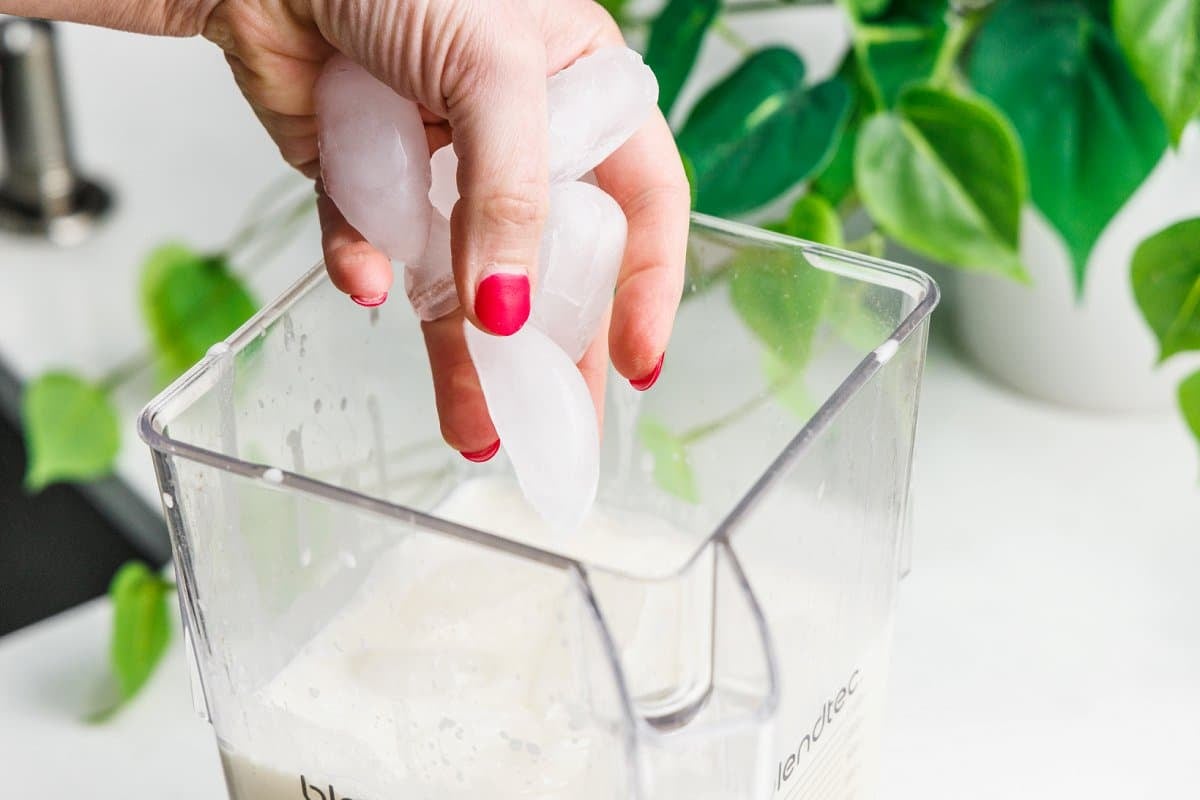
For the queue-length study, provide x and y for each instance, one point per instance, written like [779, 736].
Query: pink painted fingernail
[479, 456]
[644, 383]
[502, 302]
[369, 302]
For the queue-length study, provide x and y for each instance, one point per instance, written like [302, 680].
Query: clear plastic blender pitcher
[368, 615]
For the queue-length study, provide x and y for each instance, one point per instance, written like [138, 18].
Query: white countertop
[1048, 638]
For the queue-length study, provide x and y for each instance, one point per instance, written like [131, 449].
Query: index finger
[645, 176]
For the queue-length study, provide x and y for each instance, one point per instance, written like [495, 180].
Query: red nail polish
[479, 456]
[502, 302]
[644, 383]
[369, 302]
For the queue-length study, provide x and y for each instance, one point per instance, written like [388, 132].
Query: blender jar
[367, 615]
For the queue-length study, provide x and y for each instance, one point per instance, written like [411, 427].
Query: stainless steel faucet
[42, 192]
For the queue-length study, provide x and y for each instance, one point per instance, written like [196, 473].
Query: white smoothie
[459, 672]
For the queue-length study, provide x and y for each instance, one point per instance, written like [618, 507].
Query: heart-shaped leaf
[675, 37]
[1189, 402]
[190, 301]
[71, 430]
[1162, 40]
[1166, 283]
[900, 47]
[781, 298]
[760, 130]
[1089, 131]
[141, 625]
[814, 219]
[943, 175]
[672, 472]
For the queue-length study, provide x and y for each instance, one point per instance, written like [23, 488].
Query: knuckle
[522, 208]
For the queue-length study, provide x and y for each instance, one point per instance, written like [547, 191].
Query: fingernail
[369, 302]
[502, 302]
[644, 383]
[479, 456]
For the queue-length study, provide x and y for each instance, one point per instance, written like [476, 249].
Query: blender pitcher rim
[912, 282]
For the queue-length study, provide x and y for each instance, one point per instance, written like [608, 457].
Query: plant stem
[731, 37]
[962, 27]
[265, 223]
[693, 435]
[125, 370]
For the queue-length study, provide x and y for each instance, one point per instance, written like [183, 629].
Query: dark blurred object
[42, 192]
[57, 547]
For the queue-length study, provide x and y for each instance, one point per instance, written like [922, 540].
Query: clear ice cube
[581, 251]
[374, 158]
[543, 412]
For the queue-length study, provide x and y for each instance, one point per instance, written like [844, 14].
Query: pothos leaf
[141, 625]
[675, 38]
[1090, 134]
[781, 297]
[1189, 402]
[943, 175]
[1161, 38]
[672, 471]
[814, 219]
[760, 130]
[190, 301]
[1166, 284]
[71, 430]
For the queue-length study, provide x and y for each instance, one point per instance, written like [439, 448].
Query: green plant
[190, 300]
[943, 120]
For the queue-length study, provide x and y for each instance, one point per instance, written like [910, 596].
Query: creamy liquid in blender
[458, 673]
[453, 672]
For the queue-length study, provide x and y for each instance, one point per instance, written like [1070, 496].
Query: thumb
[497, 110]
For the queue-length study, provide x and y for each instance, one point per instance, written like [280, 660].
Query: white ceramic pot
[1097, 353]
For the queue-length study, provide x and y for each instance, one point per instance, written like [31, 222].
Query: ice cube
[581, 251]
[543, 412]
[429, 281]
[594, 105]
[443, 186]
[374, 158]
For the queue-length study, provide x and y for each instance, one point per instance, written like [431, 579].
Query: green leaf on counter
[943, 175]
[786, 383]
[141, 625]
[1161, 38]
[760, 130]
[675, 38]
[71, 430]
[814, 219]
[1089, 131]
[1166, 284]
[190, 301]
[781, 298]
[672, 471]
[1189, 402]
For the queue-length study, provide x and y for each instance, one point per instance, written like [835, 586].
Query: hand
[478, 68]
